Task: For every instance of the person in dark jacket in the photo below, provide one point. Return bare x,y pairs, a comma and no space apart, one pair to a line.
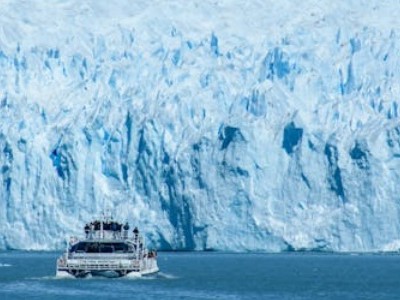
113,228
87,230
119,229
126,230
136,235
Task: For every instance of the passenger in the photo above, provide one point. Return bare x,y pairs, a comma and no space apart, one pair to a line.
96,225
114,226
91,230
136,235
126,230
114,229
119,229
87,229
126,226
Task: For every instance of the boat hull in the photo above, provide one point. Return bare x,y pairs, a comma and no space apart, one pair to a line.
83,269
64,274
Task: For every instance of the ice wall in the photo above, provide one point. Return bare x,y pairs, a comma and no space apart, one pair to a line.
229,125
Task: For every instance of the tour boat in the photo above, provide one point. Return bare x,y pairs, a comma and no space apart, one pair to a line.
109,250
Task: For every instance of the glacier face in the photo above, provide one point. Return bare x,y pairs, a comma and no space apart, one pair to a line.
229,125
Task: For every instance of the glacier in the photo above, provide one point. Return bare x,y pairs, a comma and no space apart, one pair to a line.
213,125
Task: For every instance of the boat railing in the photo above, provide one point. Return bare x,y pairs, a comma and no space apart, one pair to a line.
104,264
113,256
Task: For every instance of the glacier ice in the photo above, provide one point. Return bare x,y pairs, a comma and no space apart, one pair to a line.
228,125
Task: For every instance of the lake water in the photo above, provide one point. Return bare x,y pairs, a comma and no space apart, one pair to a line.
185,275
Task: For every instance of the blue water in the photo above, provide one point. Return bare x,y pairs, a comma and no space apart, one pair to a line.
30,275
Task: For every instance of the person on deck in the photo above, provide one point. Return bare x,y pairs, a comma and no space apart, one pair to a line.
126,230
113,229
87,230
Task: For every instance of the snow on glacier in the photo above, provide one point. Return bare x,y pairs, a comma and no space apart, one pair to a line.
228,125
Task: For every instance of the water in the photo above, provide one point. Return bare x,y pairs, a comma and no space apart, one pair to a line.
30,275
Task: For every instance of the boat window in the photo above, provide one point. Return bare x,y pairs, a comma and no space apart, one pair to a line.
106,248
87,247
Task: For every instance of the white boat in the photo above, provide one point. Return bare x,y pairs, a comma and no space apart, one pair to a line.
107,250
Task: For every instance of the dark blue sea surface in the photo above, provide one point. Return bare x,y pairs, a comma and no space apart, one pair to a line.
209,275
